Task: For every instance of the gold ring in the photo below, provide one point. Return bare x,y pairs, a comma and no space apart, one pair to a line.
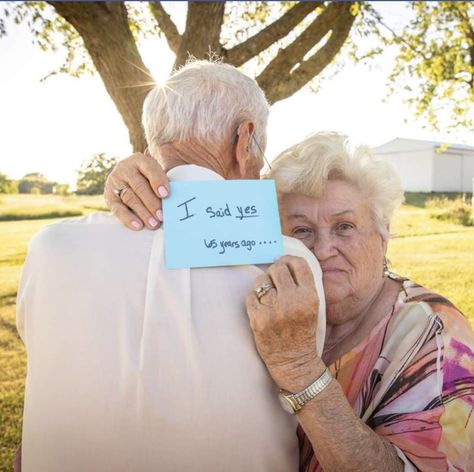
263,289
120,191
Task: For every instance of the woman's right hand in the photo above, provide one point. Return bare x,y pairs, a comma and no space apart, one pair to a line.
145,184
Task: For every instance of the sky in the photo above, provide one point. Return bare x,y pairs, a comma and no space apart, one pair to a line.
53,126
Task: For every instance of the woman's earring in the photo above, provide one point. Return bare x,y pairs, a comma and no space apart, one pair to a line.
386,271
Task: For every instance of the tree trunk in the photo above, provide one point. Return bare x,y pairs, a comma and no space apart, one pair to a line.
105,31
203,28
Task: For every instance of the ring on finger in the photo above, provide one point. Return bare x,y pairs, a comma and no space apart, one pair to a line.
262,289
120,191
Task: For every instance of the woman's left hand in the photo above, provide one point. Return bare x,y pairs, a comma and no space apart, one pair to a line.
284,323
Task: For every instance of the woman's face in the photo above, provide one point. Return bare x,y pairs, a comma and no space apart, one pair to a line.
339,230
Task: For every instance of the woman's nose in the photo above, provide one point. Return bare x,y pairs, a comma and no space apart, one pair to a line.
324,248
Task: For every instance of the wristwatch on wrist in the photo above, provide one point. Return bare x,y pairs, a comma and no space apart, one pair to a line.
293,402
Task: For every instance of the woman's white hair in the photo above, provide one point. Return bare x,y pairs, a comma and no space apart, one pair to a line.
204,101
306,167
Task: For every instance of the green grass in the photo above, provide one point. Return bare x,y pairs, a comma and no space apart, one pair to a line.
437,254
33,207
418,199
14,237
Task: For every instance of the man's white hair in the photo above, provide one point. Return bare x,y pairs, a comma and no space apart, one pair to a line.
306,167
204,101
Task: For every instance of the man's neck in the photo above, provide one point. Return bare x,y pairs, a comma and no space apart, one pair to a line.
178,154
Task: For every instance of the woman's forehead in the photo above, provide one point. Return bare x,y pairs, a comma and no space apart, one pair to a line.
339,199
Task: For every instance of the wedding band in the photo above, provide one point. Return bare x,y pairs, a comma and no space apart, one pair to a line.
263,289
120,191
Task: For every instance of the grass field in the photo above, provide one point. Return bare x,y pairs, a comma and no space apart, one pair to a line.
34,207
437,254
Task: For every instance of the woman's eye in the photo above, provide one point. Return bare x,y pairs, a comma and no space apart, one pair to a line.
301,232
344,227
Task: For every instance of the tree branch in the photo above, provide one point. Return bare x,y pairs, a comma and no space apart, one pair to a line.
323,57
398,37
275,31
166,25
469,30
280,79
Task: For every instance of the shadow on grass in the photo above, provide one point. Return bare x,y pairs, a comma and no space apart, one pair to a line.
8,299
96,208
11,328
39,216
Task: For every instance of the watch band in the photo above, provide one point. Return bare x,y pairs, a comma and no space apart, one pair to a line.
298,400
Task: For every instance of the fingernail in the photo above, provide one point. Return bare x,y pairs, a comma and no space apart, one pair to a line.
159,215
152,221
136,225
162,192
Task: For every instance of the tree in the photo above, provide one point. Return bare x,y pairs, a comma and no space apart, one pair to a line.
8,185
292,42
435,64
93,174
35,183
62,189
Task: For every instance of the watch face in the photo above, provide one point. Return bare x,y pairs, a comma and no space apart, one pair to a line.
286,404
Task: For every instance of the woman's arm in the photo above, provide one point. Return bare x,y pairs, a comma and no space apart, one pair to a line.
340,440
284,324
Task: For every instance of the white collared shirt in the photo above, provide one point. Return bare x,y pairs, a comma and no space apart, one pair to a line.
133,367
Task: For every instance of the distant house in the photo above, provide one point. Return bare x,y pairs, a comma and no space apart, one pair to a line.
423,168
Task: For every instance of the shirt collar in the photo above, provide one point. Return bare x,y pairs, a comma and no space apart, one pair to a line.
193,172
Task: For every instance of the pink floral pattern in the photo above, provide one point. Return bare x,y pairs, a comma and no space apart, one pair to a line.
412,381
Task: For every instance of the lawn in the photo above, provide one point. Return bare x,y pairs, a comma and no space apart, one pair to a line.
30,207
437,254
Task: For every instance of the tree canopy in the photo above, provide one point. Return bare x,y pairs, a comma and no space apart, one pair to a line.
93,173
291,42
435,64
35,182
8,185
289,45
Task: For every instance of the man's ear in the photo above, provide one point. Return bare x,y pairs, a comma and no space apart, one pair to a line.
242,147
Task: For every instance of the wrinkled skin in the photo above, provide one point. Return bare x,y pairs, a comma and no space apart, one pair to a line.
284,321
338,229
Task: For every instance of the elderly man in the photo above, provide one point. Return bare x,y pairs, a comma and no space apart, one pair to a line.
133,367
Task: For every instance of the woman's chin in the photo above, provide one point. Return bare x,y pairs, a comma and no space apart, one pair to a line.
333,291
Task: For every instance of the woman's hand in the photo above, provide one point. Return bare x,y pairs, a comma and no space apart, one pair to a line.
146,184
284,323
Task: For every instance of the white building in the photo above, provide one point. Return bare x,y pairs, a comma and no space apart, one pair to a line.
428,166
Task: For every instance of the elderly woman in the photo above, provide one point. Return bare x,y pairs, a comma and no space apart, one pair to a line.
401,391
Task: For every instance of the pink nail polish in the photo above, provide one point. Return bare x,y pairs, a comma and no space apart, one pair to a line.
159,215
152,222
136,225
162,192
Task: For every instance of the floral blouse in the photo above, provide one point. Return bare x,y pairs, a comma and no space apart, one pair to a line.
412,381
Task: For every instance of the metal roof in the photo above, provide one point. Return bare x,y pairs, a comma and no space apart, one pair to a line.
434,144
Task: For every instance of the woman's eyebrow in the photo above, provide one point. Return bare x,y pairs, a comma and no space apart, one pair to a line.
297,217
344,212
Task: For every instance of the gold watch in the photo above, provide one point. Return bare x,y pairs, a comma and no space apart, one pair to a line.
293,402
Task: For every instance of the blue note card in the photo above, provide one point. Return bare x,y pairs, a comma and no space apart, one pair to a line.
221,223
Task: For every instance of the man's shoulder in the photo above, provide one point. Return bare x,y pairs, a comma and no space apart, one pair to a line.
77,234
